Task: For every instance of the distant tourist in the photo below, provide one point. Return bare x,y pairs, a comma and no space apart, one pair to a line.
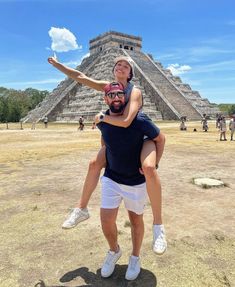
45,121
182,124
222,128
218,119
81,123
33,125
204,123
232,126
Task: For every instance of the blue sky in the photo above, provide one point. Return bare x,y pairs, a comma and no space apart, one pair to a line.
194,38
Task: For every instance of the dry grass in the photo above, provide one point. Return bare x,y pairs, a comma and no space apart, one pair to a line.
42,172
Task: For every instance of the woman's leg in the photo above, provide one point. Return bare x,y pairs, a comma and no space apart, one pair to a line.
80,212
148,162
92,177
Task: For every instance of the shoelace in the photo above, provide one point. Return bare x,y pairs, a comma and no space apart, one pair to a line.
159,242
133,263
160,234
109,258
74,213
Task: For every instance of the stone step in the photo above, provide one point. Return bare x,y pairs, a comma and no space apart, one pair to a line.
177,100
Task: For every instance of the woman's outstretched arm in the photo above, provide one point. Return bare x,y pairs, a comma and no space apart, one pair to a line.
78,76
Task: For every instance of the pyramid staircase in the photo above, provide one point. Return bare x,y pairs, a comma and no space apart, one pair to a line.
167,96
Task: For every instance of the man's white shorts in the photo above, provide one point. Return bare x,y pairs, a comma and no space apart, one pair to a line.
112,194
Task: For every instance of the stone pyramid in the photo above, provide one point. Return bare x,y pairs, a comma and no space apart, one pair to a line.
165,96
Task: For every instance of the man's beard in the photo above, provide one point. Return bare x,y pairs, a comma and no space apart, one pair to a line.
117,110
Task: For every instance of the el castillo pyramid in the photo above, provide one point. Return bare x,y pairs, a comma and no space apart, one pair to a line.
165,96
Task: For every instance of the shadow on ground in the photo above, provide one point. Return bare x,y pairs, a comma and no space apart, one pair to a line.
146,278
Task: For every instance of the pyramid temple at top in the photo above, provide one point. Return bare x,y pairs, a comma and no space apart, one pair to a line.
165,96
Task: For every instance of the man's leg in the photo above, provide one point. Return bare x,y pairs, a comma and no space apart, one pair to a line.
109,227
153,184
137,234
80,212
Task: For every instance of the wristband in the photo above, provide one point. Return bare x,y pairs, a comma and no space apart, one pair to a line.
101,117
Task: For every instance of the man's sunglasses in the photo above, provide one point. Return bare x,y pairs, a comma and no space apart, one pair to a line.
112,95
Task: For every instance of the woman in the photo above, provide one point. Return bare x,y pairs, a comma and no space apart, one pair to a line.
150,155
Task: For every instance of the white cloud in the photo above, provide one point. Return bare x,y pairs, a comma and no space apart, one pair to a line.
62,40
176,69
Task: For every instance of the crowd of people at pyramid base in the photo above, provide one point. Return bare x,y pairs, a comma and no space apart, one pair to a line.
220,124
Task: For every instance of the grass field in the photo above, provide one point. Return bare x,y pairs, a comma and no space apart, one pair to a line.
41,175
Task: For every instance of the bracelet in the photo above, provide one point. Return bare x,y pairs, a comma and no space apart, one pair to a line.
101,117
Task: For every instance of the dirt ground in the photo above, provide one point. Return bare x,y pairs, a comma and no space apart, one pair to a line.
41,175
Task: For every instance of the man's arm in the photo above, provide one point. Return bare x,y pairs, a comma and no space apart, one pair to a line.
129,113
160,143
78,76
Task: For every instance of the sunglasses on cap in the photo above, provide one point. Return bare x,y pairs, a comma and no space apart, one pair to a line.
112,95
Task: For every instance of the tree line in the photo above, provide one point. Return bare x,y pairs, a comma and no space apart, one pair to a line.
227,108
15,104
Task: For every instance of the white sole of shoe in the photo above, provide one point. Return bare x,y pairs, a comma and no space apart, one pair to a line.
132,278
159,253
72,226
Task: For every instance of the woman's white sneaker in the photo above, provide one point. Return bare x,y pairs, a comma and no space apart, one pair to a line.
76,216
110,262
159,239
133,268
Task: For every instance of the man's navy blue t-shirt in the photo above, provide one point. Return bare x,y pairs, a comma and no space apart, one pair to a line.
123,148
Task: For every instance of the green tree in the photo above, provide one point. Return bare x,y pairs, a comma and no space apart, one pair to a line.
15,104
231,110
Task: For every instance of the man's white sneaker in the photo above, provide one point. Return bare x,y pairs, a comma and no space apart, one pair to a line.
133,269
76,216
159,239
110,262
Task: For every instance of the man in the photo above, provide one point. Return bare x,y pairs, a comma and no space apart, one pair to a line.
122,179
81,123
223,128
204,123
232,126
45,121
182,124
